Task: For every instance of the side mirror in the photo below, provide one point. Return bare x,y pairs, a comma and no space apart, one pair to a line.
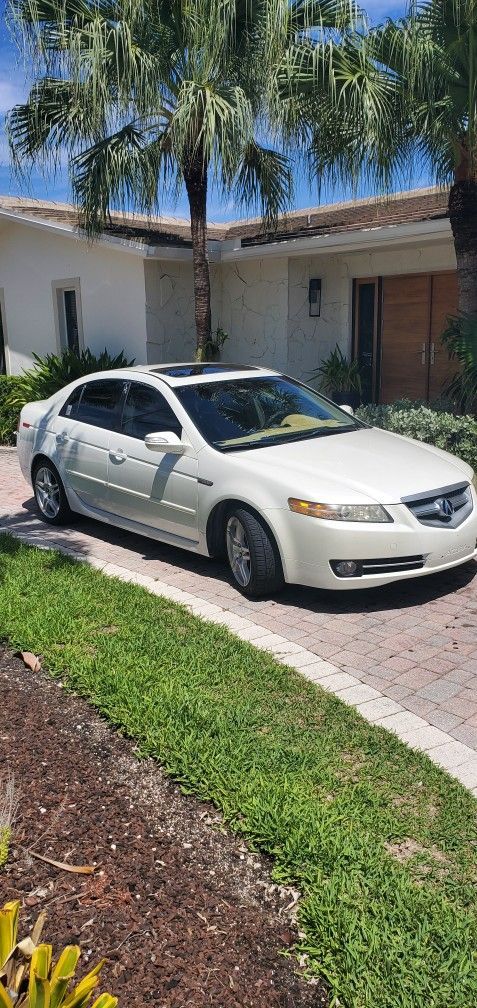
347,409
166,442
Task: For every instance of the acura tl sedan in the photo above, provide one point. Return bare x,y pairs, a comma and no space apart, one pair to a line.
251,466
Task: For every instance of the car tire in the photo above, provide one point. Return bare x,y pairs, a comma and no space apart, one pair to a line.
252,554
50,494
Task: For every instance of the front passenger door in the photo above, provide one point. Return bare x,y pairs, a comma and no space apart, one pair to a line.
152,488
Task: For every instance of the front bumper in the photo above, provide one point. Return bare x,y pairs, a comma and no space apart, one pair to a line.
309,545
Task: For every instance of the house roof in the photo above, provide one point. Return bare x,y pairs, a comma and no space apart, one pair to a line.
414,206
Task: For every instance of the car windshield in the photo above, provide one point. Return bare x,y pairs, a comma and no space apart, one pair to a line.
252,412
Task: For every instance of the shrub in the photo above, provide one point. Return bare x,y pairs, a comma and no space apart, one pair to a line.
30,979
455,434
53,372
48,375
9,410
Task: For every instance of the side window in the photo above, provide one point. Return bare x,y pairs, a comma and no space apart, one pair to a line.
147,412
100,403
70,408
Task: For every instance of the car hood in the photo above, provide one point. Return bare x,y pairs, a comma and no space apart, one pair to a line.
368,462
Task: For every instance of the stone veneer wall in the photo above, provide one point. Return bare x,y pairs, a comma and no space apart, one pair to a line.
263,304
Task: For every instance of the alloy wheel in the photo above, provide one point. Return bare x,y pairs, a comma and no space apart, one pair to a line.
47,492
238,551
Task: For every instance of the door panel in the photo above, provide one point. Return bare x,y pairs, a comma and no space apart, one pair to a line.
83,432
444,303
405,337
153,488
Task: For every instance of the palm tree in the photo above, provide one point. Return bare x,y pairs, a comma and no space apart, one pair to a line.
432,55
147,95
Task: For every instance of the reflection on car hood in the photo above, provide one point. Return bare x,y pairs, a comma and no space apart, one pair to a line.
368,461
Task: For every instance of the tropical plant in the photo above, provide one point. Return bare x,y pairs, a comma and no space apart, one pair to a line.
337,374
148,95
30,979
54,371
10,386
460,338
215,344
431,57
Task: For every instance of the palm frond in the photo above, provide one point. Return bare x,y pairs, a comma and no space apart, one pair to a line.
264,182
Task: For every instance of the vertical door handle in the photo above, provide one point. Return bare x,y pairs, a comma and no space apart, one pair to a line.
423,354
433,353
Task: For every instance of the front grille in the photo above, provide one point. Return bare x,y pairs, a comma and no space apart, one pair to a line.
383,565
446,507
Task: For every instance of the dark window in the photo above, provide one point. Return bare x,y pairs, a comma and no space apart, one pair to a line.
70,407
147,412
71,320
100,403
189,370
249,412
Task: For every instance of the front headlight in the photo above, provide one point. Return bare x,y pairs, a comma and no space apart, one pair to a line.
340,512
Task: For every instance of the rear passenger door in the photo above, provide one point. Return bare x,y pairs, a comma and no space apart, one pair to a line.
152,488
83,433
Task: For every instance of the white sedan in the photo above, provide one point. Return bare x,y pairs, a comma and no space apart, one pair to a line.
252,466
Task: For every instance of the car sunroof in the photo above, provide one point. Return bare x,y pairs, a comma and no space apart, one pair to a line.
188,370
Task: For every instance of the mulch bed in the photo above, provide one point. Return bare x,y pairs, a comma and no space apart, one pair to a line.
186,915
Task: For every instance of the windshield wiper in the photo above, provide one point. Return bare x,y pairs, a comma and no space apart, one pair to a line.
288,438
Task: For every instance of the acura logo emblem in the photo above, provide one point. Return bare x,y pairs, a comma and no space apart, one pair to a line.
445,508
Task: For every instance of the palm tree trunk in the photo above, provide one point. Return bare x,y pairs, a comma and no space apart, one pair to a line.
463,219
195,179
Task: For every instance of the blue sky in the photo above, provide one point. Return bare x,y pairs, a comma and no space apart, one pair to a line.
13,87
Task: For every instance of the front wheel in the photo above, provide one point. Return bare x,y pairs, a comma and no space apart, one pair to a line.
50,494
253,556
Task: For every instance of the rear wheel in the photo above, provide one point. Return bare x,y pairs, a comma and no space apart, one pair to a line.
253,556
50,494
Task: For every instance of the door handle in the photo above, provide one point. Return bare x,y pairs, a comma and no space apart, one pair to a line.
433,353
423,353
61,439
118,456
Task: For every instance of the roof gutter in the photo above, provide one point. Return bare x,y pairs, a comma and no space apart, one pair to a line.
346,241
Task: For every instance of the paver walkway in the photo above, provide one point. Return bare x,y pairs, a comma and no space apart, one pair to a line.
414,643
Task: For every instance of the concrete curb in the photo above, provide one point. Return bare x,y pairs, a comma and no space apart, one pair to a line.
458,759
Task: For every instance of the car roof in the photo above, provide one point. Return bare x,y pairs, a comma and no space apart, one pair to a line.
193,373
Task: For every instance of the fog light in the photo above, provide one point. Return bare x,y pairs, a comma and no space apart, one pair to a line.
346,568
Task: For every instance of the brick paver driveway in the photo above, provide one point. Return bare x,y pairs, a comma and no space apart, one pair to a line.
415,642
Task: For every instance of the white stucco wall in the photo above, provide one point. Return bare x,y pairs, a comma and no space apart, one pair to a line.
147,307
112,293
170,309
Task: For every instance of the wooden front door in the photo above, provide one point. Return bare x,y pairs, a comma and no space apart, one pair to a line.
444,303
414,363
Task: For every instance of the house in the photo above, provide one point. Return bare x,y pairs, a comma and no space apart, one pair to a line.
376,276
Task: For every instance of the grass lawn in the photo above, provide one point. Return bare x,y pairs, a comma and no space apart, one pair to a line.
381,843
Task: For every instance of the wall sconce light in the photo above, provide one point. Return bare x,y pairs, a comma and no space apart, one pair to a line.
314,296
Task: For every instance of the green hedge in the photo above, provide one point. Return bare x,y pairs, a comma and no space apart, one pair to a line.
9,387
455,434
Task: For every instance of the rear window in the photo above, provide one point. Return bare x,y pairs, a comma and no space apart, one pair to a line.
100,403
71,405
